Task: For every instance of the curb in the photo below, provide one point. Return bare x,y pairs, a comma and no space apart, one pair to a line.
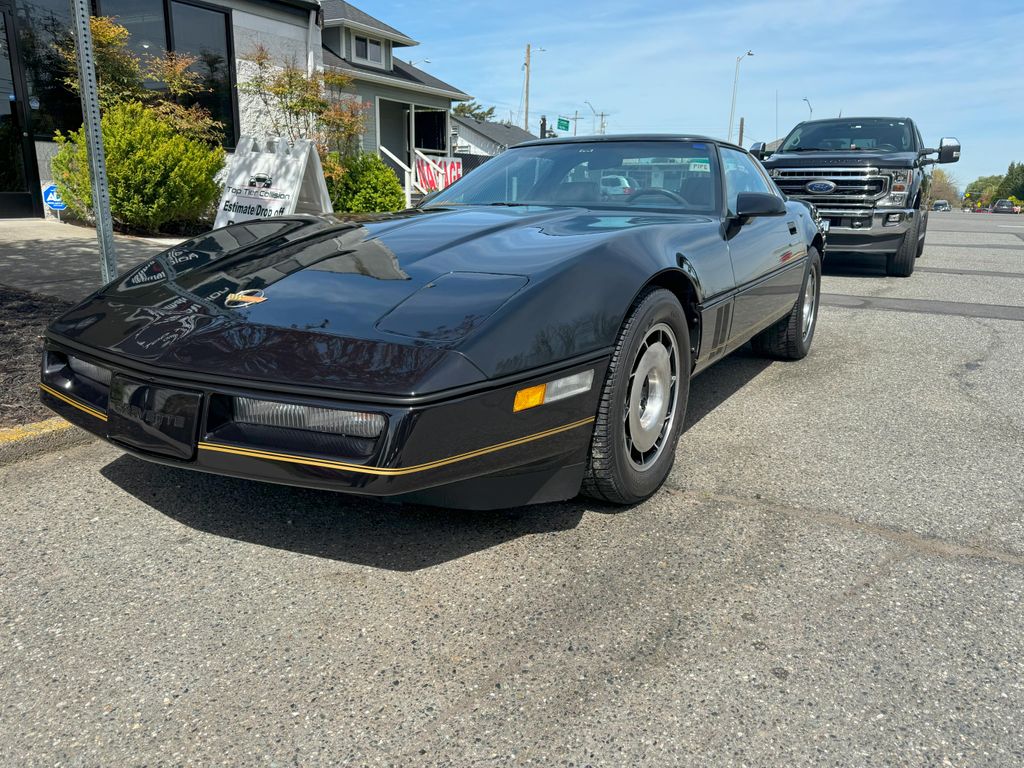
26,440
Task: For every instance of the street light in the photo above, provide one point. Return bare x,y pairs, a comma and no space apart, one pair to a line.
810,109
735,82
420,61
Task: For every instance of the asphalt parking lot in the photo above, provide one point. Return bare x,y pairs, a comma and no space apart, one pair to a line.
832,576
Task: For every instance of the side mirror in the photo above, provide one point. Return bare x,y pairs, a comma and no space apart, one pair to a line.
949,150
758,150
753,204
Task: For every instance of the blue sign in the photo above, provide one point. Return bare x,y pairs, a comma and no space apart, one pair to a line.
52,198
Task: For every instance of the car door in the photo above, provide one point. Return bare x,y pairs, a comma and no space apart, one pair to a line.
766,252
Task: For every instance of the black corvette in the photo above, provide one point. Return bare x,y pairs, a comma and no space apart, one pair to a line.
515,339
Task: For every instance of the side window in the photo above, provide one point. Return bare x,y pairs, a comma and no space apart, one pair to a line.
741,175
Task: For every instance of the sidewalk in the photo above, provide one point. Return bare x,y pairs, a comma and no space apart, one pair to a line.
54,259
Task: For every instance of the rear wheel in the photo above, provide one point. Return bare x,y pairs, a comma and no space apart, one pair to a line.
791,337
643,402
901,263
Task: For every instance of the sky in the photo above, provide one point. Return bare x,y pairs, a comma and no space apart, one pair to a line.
668,66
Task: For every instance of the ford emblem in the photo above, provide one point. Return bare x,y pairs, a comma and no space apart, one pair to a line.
820,187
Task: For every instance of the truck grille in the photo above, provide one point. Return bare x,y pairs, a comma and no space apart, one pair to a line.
857,189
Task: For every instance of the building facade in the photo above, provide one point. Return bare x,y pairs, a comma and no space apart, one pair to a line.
407,109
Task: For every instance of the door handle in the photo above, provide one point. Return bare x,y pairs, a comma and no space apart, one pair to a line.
792,227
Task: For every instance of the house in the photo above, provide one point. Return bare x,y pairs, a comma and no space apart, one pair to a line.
407,109
220,32
483,137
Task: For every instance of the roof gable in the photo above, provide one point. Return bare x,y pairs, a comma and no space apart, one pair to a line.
338,12
503,134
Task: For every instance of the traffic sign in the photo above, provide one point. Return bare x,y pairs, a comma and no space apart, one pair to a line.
563,123
52,198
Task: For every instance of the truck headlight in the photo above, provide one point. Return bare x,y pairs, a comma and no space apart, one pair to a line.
899,186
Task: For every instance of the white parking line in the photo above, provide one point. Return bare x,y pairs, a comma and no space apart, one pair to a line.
1011,226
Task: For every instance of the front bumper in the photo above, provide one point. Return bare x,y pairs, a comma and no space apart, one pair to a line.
874,232
470,451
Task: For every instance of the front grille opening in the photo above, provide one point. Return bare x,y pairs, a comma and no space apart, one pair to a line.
78,377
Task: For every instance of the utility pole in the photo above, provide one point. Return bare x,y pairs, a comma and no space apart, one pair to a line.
735,83
740,142
94,139
526,109
776,114
575,119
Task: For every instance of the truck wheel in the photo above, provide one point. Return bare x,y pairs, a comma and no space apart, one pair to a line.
791,337
901,263
643,403
922,235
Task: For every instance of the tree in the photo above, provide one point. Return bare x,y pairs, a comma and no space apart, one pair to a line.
474,110
984,188
122,76
1012,184
298,105
944,186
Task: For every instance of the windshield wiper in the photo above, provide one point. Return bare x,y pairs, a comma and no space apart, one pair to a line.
510,204
807,149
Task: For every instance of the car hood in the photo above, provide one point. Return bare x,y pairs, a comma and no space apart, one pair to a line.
841,159
377,304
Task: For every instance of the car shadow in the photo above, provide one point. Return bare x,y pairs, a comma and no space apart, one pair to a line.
362,531
854,265
720,382
367,531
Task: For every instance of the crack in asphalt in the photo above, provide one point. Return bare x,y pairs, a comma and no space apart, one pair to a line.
914,542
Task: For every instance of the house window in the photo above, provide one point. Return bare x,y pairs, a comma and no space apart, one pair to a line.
368,49
199,31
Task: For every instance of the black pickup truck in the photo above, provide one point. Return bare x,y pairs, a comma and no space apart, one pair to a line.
867,177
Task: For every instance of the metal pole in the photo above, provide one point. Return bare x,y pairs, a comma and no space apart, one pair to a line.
575,120
735,83
526,109
94,140
740,140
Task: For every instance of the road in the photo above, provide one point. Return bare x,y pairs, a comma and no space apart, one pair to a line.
832,576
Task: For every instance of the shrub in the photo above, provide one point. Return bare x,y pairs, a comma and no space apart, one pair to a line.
157,176
364,184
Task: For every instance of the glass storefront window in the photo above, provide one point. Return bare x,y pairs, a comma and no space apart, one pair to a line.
144,20
206,34
41,24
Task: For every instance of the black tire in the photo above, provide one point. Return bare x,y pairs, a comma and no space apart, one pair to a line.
901,263
922,233
617,470
790,338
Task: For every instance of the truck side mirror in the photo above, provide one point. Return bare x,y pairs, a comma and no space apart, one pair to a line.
757,150
949,150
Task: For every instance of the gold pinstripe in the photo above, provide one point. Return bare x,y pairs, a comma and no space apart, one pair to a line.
386,471
96,414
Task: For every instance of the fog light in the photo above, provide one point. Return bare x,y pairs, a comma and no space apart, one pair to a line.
88,370
893,218
290,416
559,389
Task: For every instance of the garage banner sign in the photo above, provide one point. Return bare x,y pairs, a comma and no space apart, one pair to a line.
272,177
438,172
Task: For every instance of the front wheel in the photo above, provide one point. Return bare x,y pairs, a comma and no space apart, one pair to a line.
643,402
901,263
790,338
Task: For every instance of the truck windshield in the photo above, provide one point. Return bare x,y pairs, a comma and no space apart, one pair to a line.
880,134
677,176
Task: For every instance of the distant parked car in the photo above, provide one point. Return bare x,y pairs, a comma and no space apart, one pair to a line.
615,186
941,205
1002,206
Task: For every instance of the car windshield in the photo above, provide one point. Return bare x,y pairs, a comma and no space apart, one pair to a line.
851,135
681,176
